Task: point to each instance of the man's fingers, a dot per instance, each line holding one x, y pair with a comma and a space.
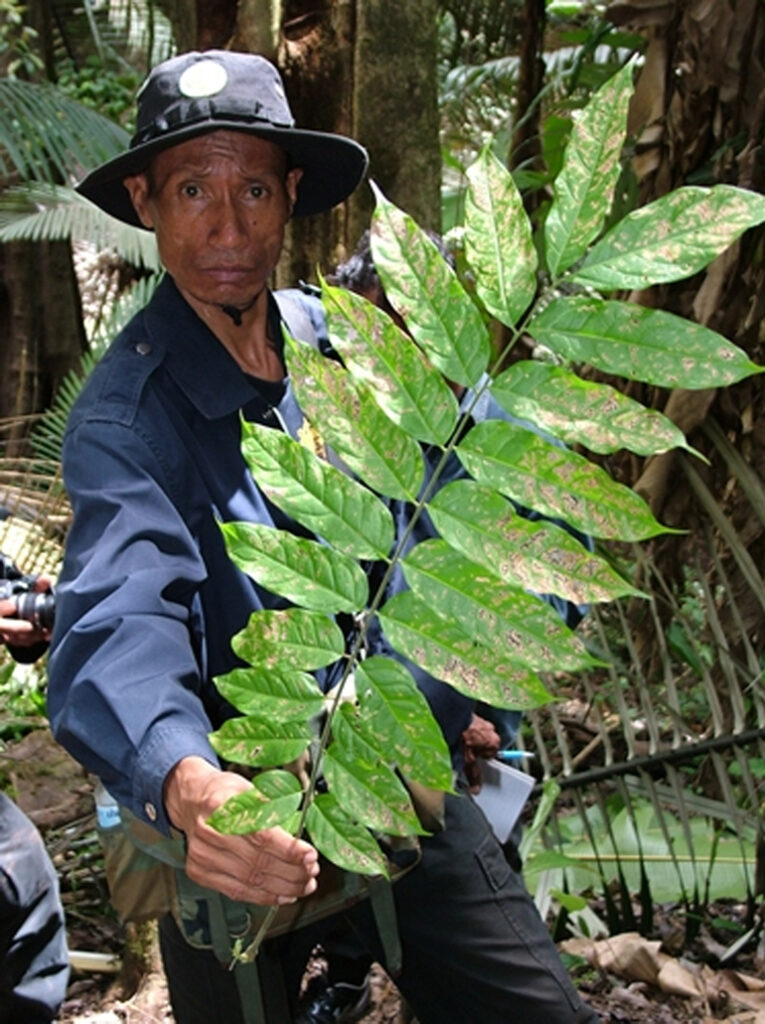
268, 868
18, 632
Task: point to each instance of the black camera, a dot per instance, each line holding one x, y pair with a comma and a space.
39, 609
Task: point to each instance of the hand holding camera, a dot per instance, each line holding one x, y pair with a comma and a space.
27, 607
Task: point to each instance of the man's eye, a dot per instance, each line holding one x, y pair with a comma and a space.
191, 191
256, 191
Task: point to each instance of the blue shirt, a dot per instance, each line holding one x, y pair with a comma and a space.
148, 599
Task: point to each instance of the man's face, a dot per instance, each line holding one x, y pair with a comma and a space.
218, 205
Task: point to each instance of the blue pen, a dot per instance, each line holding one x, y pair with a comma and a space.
513, 755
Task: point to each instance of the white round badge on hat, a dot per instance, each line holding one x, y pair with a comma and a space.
204, 78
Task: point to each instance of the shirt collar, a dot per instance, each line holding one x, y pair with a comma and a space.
197, 361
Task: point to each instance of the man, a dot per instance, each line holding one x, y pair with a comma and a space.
148, 600
34, 963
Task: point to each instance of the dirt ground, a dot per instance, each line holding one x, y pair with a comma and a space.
618, 1001
640, 985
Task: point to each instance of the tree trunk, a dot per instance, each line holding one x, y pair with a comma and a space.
396, 105
40, 315
41, 320
367, 69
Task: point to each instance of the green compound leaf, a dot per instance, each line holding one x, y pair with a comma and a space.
528, 630
273, 800
278, 695
304, 571
341, 840
408, 389
369, 790
253, 740
538, 556
292, 637
349, 419
555, 481
402, 723
584, 188
639, 343
447, 652
423, 288
498, 240
317, 495
596, 416
671, 238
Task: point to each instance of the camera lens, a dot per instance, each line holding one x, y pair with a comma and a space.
38, 609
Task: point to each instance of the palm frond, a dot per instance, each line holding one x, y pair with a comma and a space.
41, 211
680, 715
46, 136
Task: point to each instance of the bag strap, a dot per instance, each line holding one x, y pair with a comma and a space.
386, 922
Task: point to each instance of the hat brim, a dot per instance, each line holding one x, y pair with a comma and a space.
333, 167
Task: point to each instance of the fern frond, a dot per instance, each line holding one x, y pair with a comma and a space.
46, 136
40, 211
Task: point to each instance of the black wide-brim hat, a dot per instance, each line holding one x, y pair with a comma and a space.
196, 93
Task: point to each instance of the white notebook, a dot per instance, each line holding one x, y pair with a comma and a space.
503, 795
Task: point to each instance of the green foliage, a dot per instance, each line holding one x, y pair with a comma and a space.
18, 41
45, 136
39, 211
674, 855
46, 139
467, 617
97, 85
478, 98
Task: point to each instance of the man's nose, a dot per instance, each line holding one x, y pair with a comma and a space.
229, 224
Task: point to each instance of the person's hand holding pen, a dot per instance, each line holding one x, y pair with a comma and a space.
480, 741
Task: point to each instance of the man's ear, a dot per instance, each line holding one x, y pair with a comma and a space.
291, 184
138, 188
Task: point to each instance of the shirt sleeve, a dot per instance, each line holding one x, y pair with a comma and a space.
125, 689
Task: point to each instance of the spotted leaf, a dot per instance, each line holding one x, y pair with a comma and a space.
411, 392
342, 840
283, 694
671, 238
556, 482
578, 411
536, 555
349, 419
497, 613
304, 571
254, 740
584, 188
317, 495
369, 789
498, 240
423, 288
273, 799
401, 722
640, 343
441, 646
291, 637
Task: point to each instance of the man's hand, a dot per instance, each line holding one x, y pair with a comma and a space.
480, 741
268, 868
18, 632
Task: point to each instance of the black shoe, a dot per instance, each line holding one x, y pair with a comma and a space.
337, 1004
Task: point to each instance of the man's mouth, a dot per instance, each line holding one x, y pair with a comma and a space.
227, 273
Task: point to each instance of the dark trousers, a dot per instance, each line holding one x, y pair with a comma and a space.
475, 950
34, 963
